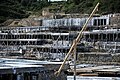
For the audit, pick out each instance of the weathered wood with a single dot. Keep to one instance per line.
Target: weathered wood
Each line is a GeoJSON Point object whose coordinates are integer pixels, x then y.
{"type": "Point", "coordinates": [77, 39]}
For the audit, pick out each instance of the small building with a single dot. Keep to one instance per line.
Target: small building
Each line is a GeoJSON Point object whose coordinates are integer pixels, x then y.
{"type": "Point", "coordinates": [22, 69]}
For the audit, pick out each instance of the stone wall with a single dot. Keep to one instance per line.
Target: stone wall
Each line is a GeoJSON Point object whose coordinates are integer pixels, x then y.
{"type": "Point", "coordinates": [99, 58]}
{"type": "Point", "coordinates": [115, 20]}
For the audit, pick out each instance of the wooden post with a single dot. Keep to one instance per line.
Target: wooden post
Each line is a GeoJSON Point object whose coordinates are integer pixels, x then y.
{"type": "Point", "coordinates": [77, 39]}
{"type": "Point", "coordinates": [74, 51]}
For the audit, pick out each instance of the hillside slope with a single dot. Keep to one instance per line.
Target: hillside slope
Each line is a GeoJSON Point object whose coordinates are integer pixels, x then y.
{"type": "Point", "coordinates": [85, 6]}
{"type": "Point", "coordinates": [16, 9]}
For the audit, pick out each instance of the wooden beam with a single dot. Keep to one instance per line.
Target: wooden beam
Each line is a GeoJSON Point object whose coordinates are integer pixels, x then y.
{"type": "Point", "coordinates": [77, 39]}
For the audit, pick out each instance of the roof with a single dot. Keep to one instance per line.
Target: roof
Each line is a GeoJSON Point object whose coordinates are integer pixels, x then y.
{"type": "Point", "coordinates": [13, 66]}
{"type": "Point", "coordinates": [26, 62]}
{"type": "Point", "coordinates": [17, 66]}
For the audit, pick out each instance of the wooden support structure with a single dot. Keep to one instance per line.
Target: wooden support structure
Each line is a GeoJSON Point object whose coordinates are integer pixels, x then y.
{"type": "Point", "coordinates": [77, 39]}
{"type": "Point", "coordinates": [74, 51]}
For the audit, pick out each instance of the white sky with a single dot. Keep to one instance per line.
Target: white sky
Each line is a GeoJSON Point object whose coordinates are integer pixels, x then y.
{"type": "Point", "coordinates": [57, 0]}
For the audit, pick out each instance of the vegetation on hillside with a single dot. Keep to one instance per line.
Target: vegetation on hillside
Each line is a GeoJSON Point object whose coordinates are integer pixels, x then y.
{"type": "Point", "coordinates": [16, 9]}
{"type": "Point", "coordinates": [85, 6]}
{"type": "Point", "coordinates": [21, 8]}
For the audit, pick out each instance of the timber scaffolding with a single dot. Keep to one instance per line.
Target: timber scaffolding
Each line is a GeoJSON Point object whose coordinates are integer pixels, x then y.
{"type": "Point", "coordinates": [53, 39]}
